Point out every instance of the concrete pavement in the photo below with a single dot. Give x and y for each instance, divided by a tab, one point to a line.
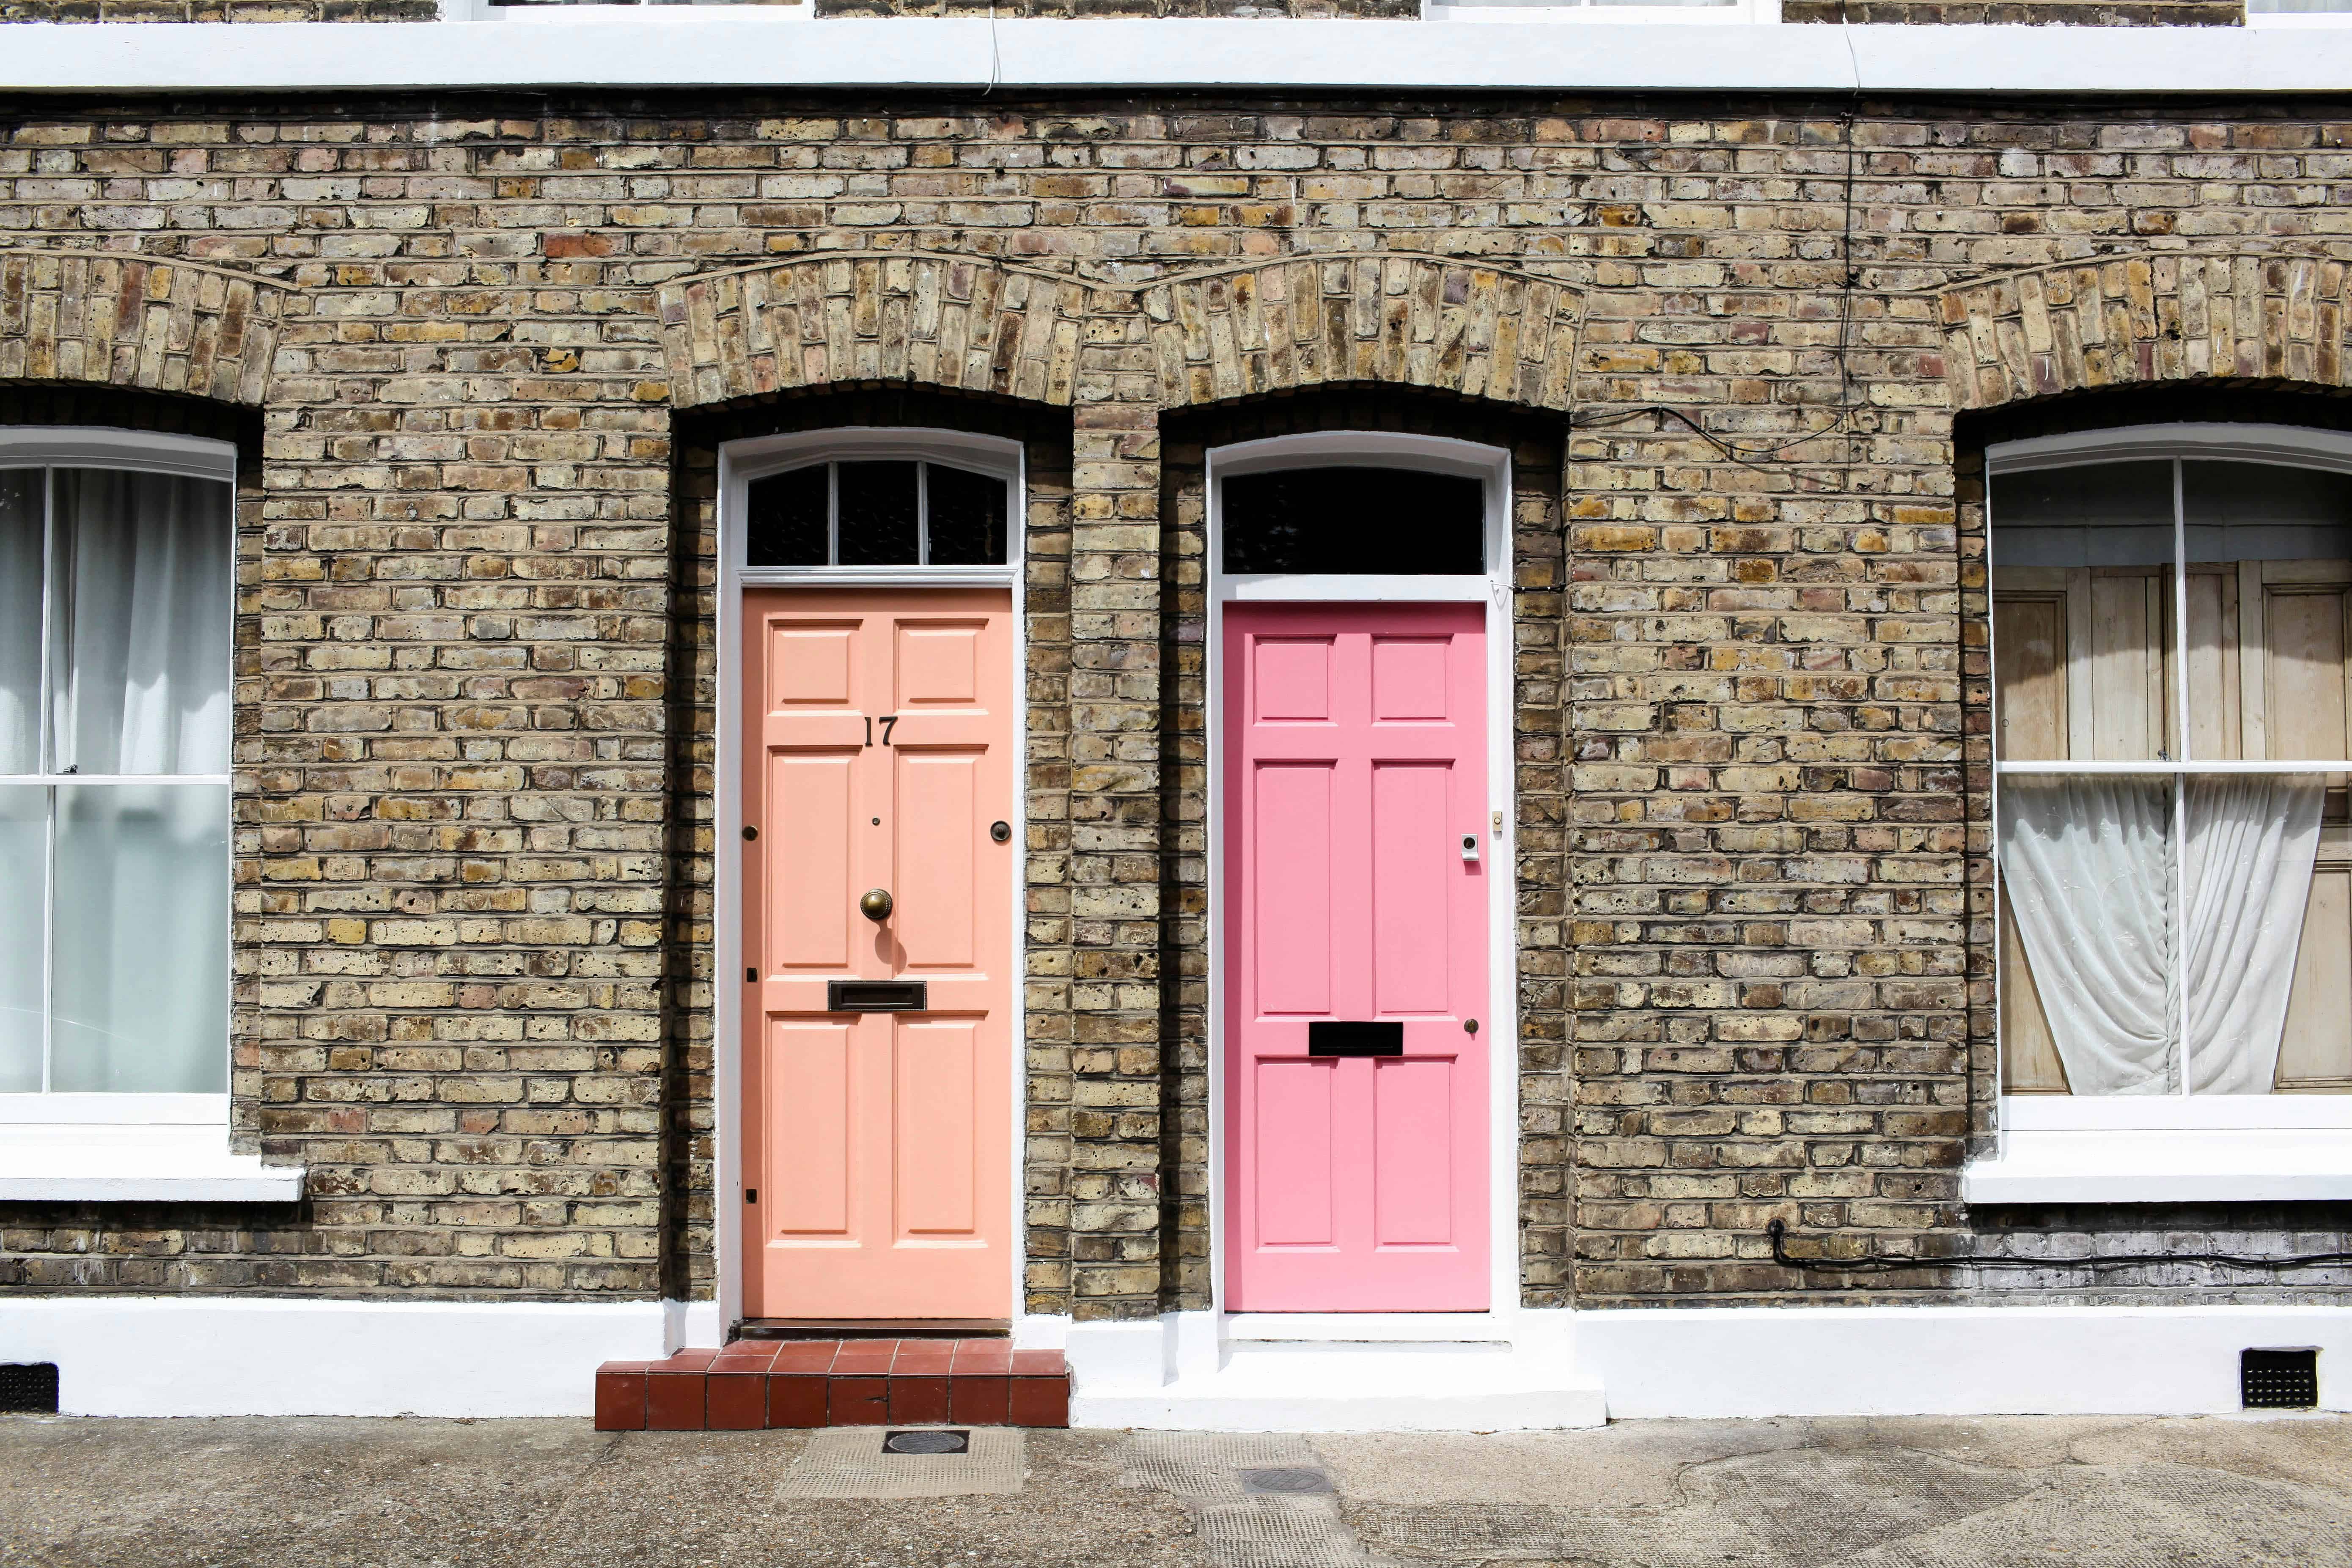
2085	1492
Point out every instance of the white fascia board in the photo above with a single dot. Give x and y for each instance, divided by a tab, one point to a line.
2201	1165
136	1164
670	47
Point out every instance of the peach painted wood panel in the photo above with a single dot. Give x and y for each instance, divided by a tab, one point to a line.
1355	762
878	745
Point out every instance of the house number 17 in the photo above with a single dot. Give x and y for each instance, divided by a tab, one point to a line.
887	721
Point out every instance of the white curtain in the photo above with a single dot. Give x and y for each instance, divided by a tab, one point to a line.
140	624
2088	862
2252	843
20	619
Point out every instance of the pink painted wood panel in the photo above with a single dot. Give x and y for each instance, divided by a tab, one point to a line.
880	1143
1355	761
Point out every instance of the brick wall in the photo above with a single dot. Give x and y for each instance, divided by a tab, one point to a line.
473	919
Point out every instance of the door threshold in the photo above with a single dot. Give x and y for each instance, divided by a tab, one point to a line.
1487	1326
873	1329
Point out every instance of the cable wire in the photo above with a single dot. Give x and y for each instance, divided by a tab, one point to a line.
1777	1230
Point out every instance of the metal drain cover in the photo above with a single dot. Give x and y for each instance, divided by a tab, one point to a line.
1287	1481
927	1443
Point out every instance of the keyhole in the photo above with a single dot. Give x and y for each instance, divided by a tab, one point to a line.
1470	1026
877	822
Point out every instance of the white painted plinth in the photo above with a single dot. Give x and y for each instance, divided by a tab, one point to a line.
242	1355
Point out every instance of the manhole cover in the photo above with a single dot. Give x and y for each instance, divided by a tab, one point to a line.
927	1443
1285	1481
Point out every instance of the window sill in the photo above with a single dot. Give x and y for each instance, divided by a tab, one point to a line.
2302	1154
137	1164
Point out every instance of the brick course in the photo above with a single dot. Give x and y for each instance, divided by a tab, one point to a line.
472	832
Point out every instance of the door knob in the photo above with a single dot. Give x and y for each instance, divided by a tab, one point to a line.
875	905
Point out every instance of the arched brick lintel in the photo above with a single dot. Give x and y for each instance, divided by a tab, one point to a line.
2144	319
965	322
147	322
1453	325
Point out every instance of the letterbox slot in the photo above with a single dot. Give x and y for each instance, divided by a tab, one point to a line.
1332	1038
876	996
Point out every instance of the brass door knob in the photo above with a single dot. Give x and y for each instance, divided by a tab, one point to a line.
876	904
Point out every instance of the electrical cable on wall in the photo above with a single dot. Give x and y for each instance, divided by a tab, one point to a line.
1777	1230
1851	278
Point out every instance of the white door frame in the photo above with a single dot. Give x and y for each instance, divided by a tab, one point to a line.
741	462
1491	465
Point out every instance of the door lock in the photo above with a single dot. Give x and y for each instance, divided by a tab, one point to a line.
1000	831
875	905
1470	848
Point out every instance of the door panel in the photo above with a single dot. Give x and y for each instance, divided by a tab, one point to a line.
1354	765
879	736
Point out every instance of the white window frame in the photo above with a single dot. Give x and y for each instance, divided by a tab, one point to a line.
1493	587
2180	1147
757	457
1738	12
608	10
81	1146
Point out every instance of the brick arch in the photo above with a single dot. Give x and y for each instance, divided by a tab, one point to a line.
968	323
2144	318
149	322
1455	325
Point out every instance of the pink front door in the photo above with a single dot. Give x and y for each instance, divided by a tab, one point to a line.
877	1144
1355	767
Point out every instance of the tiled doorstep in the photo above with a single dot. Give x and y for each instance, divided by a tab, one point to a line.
755	1384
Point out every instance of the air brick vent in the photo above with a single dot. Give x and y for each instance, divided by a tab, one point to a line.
2279	1379
29	1390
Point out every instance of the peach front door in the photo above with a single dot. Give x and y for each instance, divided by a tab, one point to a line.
878	1143
1356	958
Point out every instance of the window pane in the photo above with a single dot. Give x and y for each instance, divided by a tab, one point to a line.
967	517
20	619
2082	596
878	513
2262	512
2270	611
140	954
140	624
2269	937
24	839
2086	864
787	526
2108	514
1354	520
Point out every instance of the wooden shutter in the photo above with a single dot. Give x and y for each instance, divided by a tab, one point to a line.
2298	702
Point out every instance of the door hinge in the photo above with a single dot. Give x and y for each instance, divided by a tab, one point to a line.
751	977
750	1194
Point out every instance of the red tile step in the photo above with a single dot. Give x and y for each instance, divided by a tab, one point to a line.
756	1383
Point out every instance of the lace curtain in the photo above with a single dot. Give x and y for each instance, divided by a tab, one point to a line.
2089	864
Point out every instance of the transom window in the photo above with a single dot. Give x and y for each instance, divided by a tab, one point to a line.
115	605
1354	520
2172	654
890	513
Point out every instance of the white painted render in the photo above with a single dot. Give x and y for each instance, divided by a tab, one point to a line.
248	1355
1948	1361
1563	1368
670	45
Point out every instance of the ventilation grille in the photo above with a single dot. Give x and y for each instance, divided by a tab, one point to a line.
29	1390
2279	1380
